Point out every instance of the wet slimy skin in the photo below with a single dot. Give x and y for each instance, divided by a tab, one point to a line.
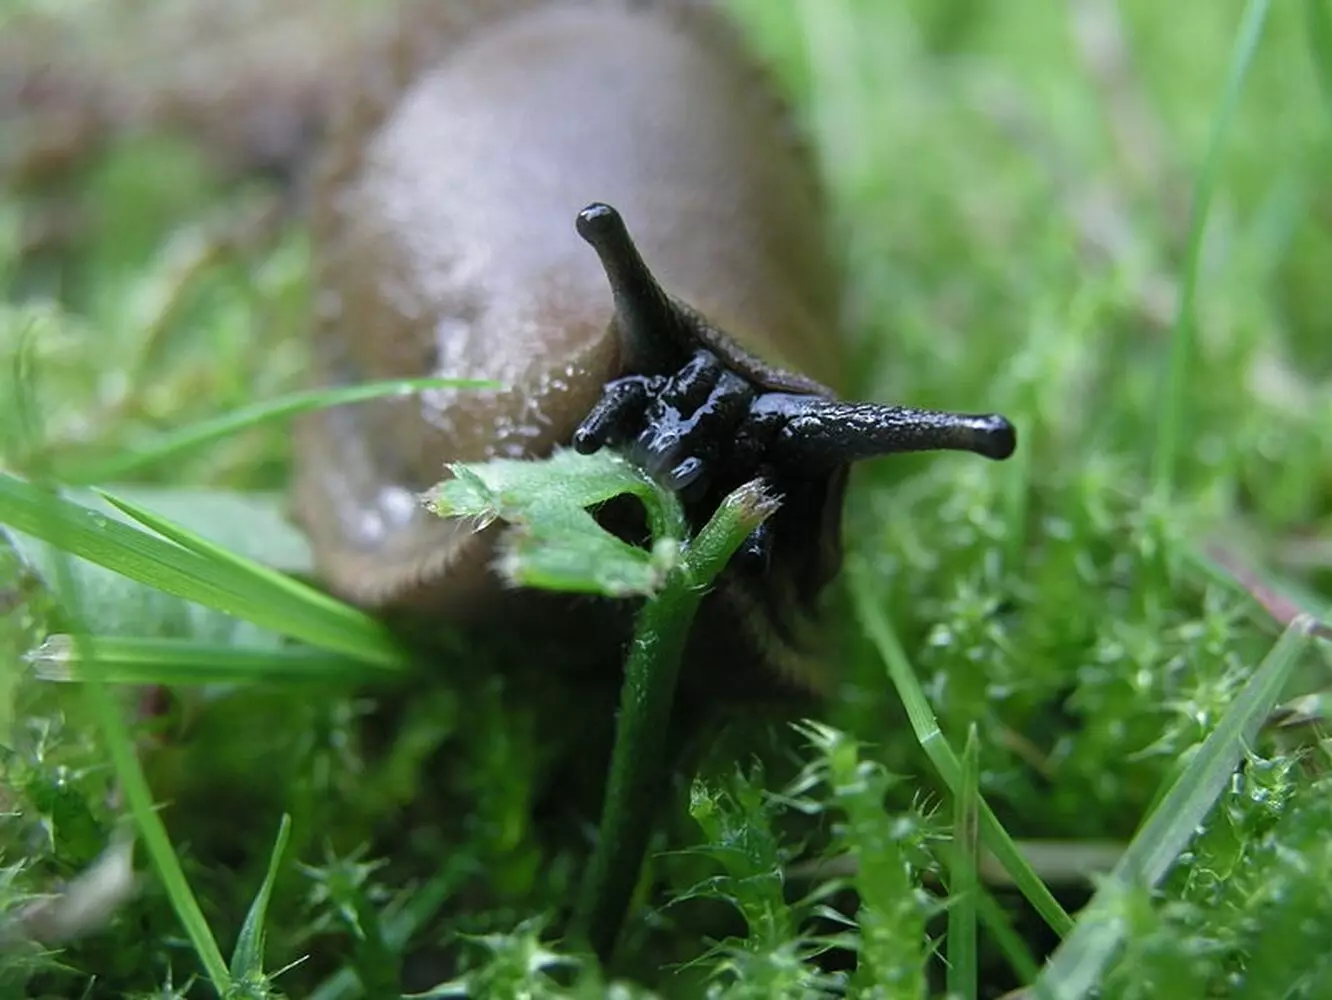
446	243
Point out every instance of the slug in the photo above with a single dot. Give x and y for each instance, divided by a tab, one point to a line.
603	206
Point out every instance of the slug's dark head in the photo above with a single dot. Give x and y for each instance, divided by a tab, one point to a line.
703	416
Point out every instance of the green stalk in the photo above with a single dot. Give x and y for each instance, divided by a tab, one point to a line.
647	699
964	883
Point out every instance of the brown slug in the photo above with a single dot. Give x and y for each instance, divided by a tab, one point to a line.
447	231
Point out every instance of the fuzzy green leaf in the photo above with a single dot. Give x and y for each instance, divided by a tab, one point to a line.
508	488
563	548
554	542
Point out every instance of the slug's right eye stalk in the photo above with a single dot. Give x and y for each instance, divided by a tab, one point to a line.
824	432
702	416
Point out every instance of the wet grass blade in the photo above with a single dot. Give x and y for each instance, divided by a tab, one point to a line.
199	573
133	784
963	965
153	660
247	961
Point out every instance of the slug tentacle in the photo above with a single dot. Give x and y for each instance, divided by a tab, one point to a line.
827	432
654	328
618	414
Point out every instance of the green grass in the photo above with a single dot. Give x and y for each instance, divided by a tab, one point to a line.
1082	645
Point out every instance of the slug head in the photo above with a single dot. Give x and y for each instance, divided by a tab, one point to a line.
703	416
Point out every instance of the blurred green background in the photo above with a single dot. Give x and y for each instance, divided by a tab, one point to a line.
1015	189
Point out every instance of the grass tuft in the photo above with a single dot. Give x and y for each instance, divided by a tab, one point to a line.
1076	966
945	759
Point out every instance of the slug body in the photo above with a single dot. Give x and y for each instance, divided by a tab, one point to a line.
446	244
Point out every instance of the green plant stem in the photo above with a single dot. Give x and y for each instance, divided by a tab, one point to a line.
646	701
964	885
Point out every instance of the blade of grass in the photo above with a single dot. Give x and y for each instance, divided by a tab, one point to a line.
1009	942
139	799
247	960
152	660
173	443
963	965
54	522
941	755
1318	20
256	574
1173	403
236	586
1076	965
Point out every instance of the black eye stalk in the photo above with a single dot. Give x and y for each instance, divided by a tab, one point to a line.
703	416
